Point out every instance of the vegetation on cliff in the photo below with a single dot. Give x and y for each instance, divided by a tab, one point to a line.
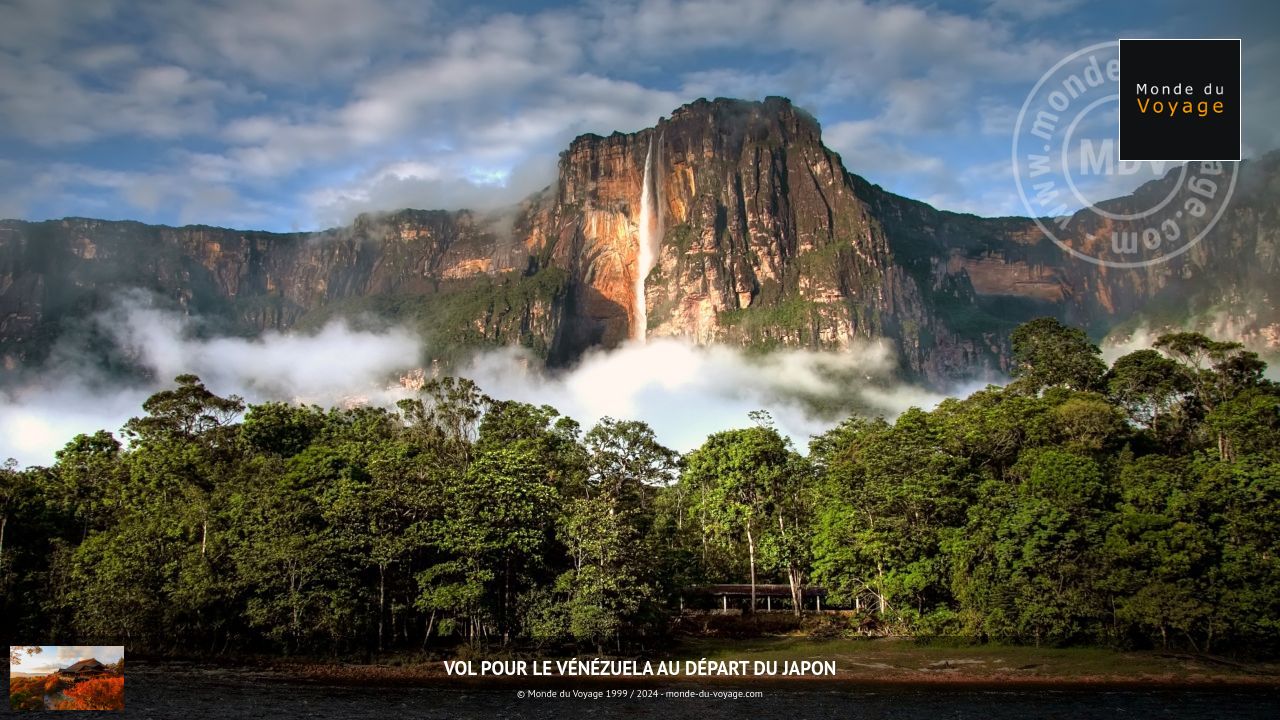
466	315
1133	506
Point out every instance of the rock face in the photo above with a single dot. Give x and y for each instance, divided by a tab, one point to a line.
762	238
766	241
457	275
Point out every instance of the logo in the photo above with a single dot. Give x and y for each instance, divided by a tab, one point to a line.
1180	99
1082	196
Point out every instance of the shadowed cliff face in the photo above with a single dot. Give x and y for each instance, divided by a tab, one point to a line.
456	275
765	241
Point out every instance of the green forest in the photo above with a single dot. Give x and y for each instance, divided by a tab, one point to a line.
1130	506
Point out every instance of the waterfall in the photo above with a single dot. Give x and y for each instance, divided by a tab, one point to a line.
650	237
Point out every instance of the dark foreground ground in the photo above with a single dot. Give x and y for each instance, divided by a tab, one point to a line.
192	692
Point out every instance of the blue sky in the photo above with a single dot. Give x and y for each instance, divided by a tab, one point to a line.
56	657
297	114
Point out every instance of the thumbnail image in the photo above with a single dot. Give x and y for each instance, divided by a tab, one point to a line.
66	677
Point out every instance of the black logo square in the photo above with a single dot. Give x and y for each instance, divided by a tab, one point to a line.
1180	99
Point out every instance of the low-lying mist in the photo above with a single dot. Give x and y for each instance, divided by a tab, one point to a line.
683	390
1218	326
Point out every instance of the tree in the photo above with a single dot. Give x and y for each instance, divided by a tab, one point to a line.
626	461
738	475
26	694
887	496
1047	353
290	567
446	416
494	534
92	477
17	651
1240	498
184	441
119	580
1234	371
1157	552
1026	561
790	548
1147	385
383	514
608	587
9	489
1195	349
1248	423
104	693
993	426
1231	369
1087	423
280	428
190	410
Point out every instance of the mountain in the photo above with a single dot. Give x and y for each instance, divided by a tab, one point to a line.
752	232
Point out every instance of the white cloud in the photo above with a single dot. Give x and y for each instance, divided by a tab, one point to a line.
417	184
997	117
656	383
42	28
921	105
317	365
104	58
294	42
198	197
1261	103
868	148
659	381
39	418
1033	9
56	657
303	100
49	105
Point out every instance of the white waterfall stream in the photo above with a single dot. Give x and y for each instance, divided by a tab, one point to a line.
650	236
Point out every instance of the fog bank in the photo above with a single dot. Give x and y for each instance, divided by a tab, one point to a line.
683	390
